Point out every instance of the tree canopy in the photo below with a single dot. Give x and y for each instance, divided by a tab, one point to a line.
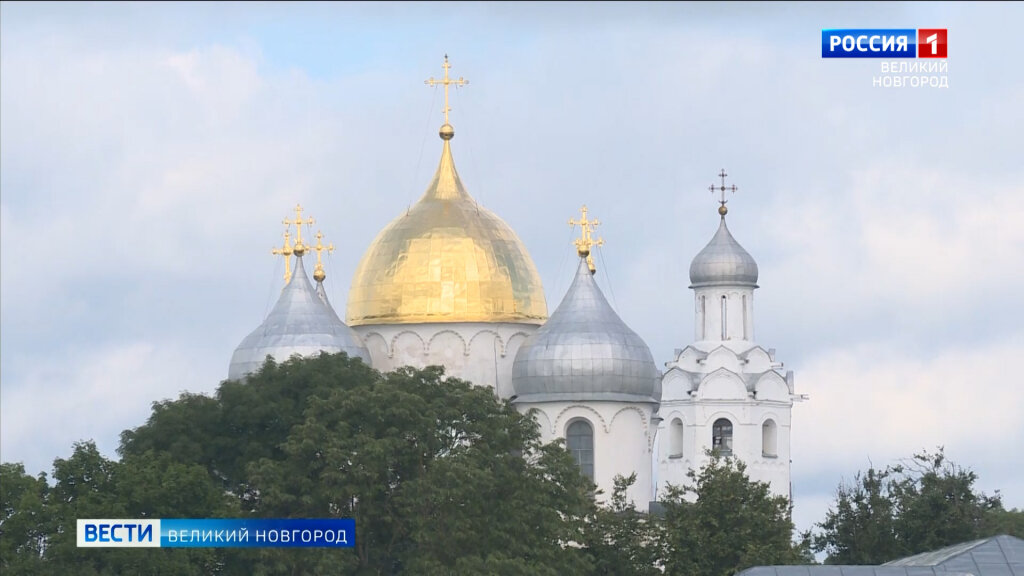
723	523
923	504
441	477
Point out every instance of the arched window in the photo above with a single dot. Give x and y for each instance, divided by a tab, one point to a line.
721	436
675	438
769	439
579	439
745	335
703	318
724	319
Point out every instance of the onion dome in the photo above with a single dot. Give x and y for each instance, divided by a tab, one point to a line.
585	352
323	298
723	262
300	323
447	259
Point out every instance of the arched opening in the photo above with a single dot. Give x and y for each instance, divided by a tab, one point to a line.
703	319
579	439
725	304
675	438
721	436
746	336
769	439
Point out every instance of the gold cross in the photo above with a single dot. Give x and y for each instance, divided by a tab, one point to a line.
446	82
318	272
286	251
723	189
586	240
300	247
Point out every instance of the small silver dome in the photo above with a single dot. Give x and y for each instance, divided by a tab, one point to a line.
323	298
585	352
300	323
723	262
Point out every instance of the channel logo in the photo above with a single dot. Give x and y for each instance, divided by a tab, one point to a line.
884	43
217	533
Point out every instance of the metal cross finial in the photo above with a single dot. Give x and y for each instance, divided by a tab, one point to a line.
285	251
446	82
586	240
723	189
300	247
318	272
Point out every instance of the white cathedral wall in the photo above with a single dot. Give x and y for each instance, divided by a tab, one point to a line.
739	313
747	417
479	352
623	441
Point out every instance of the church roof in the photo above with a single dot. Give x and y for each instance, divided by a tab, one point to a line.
997	555
585	352
300	323
723	262
972	557
323	298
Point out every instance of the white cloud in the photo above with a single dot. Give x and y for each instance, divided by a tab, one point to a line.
92	395
883	221
877	403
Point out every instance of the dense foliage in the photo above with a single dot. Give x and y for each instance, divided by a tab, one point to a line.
441	478
924	504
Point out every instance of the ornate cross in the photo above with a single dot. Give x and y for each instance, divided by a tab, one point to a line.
287	252
586	240
318	272
300	247
446	82
723	189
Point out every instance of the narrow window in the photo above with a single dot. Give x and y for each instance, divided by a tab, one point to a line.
721	436
745	337
675	436
769	439
703	318
724	304
580	442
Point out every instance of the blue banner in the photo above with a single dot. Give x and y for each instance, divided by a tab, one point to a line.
258	533
869	43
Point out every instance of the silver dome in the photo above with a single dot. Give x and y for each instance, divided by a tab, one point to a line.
300	323
723	262
585	352
323	298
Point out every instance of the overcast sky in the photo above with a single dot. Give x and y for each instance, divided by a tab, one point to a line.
148	153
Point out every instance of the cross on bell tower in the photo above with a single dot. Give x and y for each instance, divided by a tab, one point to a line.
723	189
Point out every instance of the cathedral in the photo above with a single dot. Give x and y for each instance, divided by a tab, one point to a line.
449	283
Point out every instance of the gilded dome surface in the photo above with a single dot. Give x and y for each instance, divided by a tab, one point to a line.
447	259
585	352
723	262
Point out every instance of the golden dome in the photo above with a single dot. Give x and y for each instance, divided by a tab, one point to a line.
447	259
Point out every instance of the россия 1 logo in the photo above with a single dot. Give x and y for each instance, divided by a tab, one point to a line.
884	43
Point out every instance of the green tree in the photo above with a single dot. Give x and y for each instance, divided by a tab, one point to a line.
24	520
923	504
860	527
732	524
1005	522
440	476
937	503
622	540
